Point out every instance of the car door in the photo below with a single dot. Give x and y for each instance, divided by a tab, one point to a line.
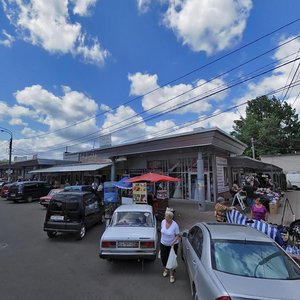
99	208
188	249
200	272
91	206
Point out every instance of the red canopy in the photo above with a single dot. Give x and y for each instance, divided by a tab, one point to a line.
152	177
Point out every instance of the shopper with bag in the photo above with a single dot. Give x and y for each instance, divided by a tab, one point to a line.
169	244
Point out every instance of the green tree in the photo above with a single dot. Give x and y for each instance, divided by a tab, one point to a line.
272	124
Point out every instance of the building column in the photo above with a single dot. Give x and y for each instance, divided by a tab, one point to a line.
200	182
113	170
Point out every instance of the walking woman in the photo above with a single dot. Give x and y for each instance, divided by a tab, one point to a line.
169	238
259	211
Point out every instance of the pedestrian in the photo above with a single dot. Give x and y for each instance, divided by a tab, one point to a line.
169	238
259	211
221	208
235	188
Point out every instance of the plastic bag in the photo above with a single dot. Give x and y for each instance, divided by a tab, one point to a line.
172	260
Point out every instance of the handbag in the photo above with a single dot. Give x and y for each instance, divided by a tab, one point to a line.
172	260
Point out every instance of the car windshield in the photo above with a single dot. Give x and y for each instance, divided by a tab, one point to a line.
53	192
134	219
253	259
69	202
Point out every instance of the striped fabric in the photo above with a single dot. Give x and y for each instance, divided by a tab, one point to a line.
234	216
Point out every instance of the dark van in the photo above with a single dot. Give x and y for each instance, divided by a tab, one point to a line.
73	212
28	190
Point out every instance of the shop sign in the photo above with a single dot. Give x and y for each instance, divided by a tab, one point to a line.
110	192
139	192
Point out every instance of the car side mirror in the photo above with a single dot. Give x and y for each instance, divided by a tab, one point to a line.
183	234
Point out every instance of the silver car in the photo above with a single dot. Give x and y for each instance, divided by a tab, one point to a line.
237	262
131	234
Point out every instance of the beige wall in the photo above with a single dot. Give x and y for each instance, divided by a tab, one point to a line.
288	163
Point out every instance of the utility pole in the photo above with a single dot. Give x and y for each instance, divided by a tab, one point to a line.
252	147
9	171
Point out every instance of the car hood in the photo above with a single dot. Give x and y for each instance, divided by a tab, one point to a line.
129	233
260	289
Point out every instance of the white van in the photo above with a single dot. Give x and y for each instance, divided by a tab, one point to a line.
293	180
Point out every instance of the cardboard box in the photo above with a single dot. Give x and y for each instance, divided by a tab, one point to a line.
273	208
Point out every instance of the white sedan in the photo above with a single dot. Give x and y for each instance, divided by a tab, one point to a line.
131	234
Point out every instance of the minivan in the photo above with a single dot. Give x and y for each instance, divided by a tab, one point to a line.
73	212
293	180
28	190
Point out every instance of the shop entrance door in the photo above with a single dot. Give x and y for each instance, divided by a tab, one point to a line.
193	191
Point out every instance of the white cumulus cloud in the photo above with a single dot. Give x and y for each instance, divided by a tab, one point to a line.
8	39
82	7
208	25
166	98
47	24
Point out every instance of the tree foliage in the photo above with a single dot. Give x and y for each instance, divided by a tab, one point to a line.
272	124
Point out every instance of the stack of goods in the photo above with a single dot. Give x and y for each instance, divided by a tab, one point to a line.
269	198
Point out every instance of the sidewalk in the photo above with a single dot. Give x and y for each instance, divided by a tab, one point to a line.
187	212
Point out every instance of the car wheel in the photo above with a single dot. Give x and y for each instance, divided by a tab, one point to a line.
81	233
51	234
29	199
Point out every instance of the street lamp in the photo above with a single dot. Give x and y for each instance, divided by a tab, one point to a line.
10	150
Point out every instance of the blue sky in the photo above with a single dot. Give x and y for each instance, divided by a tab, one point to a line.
72	71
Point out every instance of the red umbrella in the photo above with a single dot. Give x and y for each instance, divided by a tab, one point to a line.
152	177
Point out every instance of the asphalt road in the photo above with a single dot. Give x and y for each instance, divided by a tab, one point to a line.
34	267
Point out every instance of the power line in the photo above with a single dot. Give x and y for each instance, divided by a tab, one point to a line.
174	80
286	92
207	95
234	107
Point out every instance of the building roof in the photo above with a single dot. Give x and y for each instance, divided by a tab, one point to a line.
72	168
214	137
248	162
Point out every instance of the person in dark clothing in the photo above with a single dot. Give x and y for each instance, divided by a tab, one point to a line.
150	198
250	191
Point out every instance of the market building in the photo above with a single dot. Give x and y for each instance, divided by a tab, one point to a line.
206	161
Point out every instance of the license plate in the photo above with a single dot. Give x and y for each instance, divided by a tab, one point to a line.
57	218
13	195
125	244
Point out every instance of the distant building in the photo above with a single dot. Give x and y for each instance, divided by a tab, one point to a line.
289	163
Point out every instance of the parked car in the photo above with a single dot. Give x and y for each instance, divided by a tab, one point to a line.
73	212
2	183
78	188
131	234
230	261
4	190
28	190
46	199
293	180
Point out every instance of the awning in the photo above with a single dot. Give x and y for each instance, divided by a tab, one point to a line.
71	168
121	184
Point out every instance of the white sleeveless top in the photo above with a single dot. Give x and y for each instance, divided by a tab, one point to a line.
168	235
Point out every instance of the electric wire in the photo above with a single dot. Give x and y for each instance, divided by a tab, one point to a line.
188	102
199	99
176	79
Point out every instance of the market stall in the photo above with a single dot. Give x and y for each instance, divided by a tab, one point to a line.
160	193
125	190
